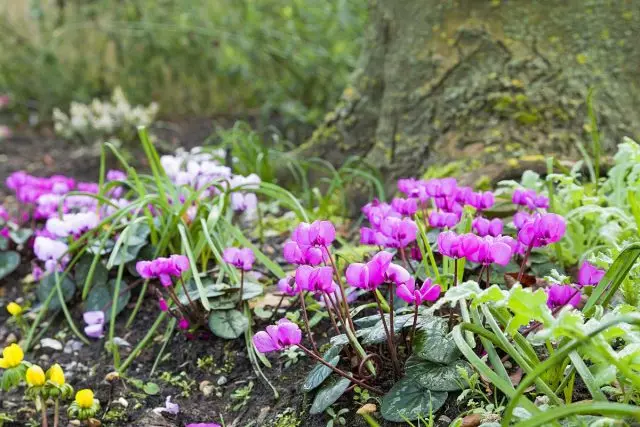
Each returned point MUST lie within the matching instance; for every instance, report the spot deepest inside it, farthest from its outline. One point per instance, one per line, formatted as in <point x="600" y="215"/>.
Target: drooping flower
<point x="589" y="274"/>
<point x="95" y="323"/>
<point x="529" y="198"/>
<point x="162" y="303"/>
<point x="315" y="279"/>
<point x="449" y="244"/>
<point x="278" y="336"/>
<point x="399" y="232"/>
<point x="241" y="258"/>
<point x="370" y="275"/>
<point x="406" y="207"/>
<point x="163" y="268"/>
<point x="244" y="202"/>
<point x="288" y="286"/>
<point x="183" y="324"/>
<point x="55" y="374"/>
<point x="72" y="224"/>
<point x="14" y="309"/>
<point x="443" y="187"/>
<point x="485" y="227"/>
<point x="35" y="376"/>
<point x="521" y="218"/>
<point x="560" y="295"/>
<point x="50" y="251"/>
<point x="481" y="200"/>
<point x="443" y="219"/>
<point x="490" y="250"/>
<point x="12" y="356"/>
<point x="294" y="253"/>
<point x="318" y="233"/>
<point x="543" y="230"/>
<point x="427" y="292"/>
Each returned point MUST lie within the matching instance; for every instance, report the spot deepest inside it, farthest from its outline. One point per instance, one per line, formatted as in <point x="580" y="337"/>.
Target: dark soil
<point x="88" y="365"/>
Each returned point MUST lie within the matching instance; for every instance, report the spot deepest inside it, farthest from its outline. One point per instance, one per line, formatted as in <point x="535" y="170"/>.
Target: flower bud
<point x="14" y="309"/>
<point x="84" y="398"/>
<point x="11" y="356"/>
<point x="35" y="376"/>
<point x="55" y="374"/>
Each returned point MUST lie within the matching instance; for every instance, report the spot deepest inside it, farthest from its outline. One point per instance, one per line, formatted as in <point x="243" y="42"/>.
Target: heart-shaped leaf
<point x="9" y="261"/>
<point x="376" y="334"/>
<point x="434" y="376"/>
<point x="100" y="297"/>
<point x="320" y="372"/>
<point x="20" y="236"/>
<point x="228" y="324"/>
<point x="100" y="273"/>
<point x="48" y="283"/>
<point x="251" y="290"/>
<point x="407" y="400"/>
<point x="328" y="394"/>
<point x="433" y="343"/>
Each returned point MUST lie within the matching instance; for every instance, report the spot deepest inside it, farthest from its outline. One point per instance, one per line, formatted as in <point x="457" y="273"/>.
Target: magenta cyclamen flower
<point x="449" y="244"/>
<point x="294" y="253"/>
<point x="95" y="323"/>
<point x="399" y="232"/>
<point x="489" y="250"/>
<point x="529" y="198"/>
<point x="427" y="292"/>
<point x="521" y="218"/>
<point x="560" y="295"/>
<point x="443" y="219"/>
<point x="406" y="207"/>
<point x="441" y="187"/>
<point x="318" y="233"/>
<point x="278" y="336"/>
<point x="589" y="274"/>
<point x="163" y="268"/>
<point x="481" y="201"/>
<point x="315" y="279"/>
<point x="288" y="286"/>
<point x="542" y="230"/>
<point x="485" y="227"/>
<point x="239" y="258"/>
<point x="370" y="275"/>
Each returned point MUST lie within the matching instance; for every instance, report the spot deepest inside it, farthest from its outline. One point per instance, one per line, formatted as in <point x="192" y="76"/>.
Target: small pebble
<point x="51" y="343"/>
<point x="72" y="346"/>
<point x="122" y="402"/>
<point x="206" y="388"/>
<point x="11" y="339"/>
<point x="120" y="342"/>
<point x="222" y="380"/>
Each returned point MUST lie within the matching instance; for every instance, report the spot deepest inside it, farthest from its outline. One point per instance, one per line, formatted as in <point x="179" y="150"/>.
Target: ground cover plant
<point x="514" y="306"/>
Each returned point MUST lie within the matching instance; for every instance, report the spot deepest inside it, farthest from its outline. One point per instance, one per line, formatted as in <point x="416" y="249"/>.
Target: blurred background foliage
<point x="198" y="57"/>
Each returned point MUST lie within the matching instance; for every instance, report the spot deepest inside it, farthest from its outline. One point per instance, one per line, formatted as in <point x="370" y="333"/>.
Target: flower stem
<point x="524" y="262"/>
<point x="339" y="371"/>
<point x="306" y="322"/>
<point x="392" y="350"/>
<point x="56" y="415"/>
<point x="43" y="408"/>
<point x="327" y="303"/>
<point x="413" y="329"/>
<point x="241" y="284"/>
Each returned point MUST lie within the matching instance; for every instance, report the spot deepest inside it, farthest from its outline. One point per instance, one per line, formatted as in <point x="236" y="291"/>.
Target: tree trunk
<point x="497" y="82"/>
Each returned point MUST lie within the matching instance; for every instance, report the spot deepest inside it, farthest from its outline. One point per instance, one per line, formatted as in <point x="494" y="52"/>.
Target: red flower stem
<point x="336" y="306"/>
<point x="392" y="349"/>
<point x="391" y="312"/>
<point x="330" y="310"/>
<point x="241" y="284"/>
<point x="306" y="322"/>
<point x="481" y="273"/>
<point x="339" y="371"/>
<point x="524" y="262"/>
<point x="186" y="292"/>
<point x="277" y="307"/>
<point x="175" y="299"/>
<point x="342" y="292"/>
<point x="413" y="329"/>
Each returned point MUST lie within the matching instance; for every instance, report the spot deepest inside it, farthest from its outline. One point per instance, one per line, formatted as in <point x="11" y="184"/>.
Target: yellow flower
<point x="35" y="376"/>
<point x="14" y="309"/>
<point x="55" y="374"/>
<point x="11" y="356"/>
<point x="84" y="398"/>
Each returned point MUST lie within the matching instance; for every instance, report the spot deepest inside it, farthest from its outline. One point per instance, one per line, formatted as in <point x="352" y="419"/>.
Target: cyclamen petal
<point x="93" y="317"/>
<point x="94" y="331"/>
<point x="589" y="274"/>
<point x="278" y="336"/>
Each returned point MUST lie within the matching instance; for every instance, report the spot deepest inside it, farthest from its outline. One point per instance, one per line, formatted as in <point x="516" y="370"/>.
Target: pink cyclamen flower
<point x="406" y="207"/>
<point x="399" y="232"/>
<point x="95" y="323"/>
<point x="169" y="407"/>
<point x="277" y="337"/>
<point x="116" y="175"/>
<point x="318" y="233"/>
<point x="589" y="274"/>
<point x="486" y="227"/>
<point x="489" y="250"/>
<point x="415" y="254"/>
<point x="163" y="268"/>
<point x="52" y="252"/>
<point x="367" y="236"/>
<point x="427" y="292"/>
<point x="370" y="275"/>
<point x="449" y="244"/>
<point x="288" y="286"/>
<point x="560" y="295"/>
<point x="244" y="202"/>
<point x="239" y="258"/>
<point x="443" y="219"/>
<point x="295" y="253"/>
<point x="183" y="324"/>
<point x="441" y="187"/>
<point x="163" y="304"/>
<point x="542" y="230"/>
<point x="481" y="201"/>
<point x="530" y="199"/>
<point x="314" y="279"/>
<point x="521" y="218"/>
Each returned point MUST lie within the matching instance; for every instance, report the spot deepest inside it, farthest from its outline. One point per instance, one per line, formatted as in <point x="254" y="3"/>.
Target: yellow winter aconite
<point x="84" y="398"/>
<point x="11" y="356"/>
<point x="55" y="374"/>
<point x="35" y="376"/>
<point x="14" y="309"/>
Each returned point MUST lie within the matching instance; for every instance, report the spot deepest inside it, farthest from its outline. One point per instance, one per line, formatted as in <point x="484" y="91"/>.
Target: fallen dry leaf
<point x="472" y="420"/>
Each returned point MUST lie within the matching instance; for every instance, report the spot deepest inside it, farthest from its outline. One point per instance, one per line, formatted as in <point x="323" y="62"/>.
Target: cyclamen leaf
<point x="329" y="394"/>
<point x="436" y="377"/>
<point x="48" y="283"/>
<point x="318" y="374"/>
<point x="228" y="324"/>
<point x="407" y="400"/>
<point x="9" y="261"/>
<point x="434" y="344"/>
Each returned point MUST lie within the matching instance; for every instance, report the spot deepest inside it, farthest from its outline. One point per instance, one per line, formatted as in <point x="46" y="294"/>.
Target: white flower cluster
<point x="102" y="120"/>
<point x="199" y="169"/>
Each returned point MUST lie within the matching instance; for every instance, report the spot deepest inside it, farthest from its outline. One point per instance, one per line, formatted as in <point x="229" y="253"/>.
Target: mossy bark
<point x="495" y="82"/>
